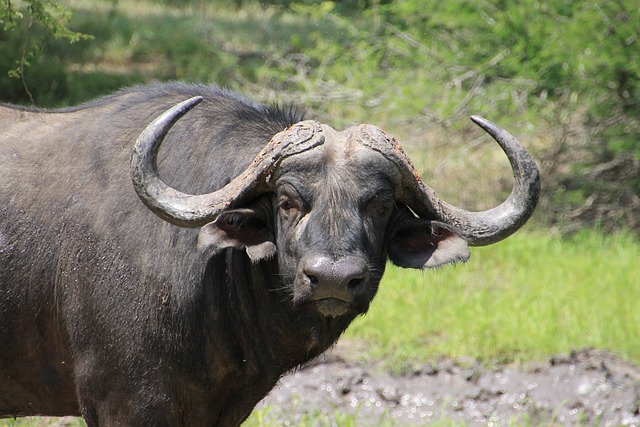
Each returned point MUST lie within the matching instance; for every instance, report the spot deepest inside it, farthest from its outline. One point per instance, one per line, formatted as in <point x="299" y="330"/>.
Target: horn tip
<point x="192" y="102"/>
<point x="488" y="126"/>
<point x="480" y="121"/>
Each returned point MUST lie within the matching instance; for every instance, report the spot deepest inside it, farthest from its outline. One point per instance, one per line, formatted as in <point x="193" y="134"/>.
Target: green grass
<point x="528" y="297"/>
<point x="271" y="416"/>
<point x="42" y="422"/>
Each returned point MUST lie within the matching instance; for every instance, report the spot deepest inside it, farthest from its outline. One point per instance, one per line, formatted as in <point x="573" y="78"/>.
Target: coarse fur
<point x="108" y="312"/>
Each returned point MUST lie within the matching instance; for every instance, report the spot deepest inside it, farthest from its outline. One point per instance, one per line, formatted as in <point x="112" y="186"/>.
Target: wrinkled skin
<point x="113" y="314"/>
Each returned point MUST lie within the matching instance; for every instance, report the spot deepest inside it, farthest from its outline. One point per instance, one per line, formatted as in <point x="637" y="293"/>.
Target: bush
<point x="35" y="21"/>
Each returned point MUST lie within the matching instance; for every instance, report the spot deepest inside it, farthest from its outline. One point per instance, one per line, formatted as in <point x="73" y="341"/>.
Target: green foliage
<point x="549" y="54"/>
<point x="34" y="21"/>
<point x="586" y="46"/>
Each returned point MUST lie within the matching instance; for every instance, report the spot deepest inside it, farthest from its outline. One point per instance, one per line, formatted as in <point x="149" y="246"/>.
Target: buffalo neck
<point x="254" y="333"/>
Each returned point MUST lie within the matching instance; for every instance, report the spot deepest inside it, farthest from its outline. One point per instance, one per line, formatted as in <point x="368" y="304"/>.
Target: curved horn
<point x="478" y="228"/>
<point x="187" y="210"/>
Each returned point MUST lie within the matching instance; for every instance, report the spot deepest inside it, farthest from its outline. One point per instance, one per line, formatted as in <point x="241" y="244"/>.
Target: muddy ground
<point x="587" y="387"/>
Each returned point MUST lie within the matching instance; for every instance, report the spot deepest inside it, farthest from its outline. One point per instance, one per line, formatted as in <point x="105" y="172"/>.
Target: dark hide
<point x="108" y="312"/>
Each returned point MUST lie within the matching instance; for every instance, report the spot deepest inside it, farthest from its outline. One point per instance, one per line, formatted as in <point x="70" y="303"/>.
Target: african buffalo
<point x="243" y="249"/>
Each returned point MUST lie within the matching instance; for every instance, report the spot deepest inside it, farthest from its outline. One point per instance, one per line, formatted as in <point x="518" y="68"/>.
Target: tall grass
<point x="532" y="295"/>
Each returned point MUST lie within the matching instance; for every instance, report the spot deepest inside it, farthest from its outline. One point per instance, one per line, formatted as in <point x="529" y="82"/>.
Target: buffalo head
<point x="333" y="206"/>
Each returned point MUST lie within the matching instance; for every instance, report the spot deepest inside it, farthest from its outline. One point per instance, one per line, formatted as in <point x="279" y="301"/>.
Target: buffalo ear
<point x="421" y="243"/>
<point x="238" y="229"/>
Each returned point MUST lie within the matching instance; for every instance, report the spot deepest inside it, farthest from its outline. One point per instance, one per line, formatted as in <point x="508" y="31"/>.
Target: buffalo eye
<point x="380" y="207"/>
<point x="288" y="207"/>
<point x="286" y="204"/>
<point x="380" y="211"/>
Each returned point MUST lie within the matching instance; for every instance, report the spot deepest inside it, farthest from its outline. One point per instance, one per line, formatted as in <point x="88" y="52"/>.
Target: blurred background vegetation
<point x="563" y="76"/>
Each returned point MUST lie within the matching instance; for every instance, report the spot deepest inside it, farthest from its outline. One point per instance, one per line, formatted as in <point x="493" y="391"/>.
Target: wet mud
<point x="587" y="387"/>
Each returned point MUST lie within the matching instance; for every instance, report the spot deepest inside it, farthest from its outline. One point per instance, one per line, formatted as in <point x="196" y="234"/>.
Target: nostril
<point x="354" y="284"/>
<point x="328" y="277"/>
<point x="313" y="280"/>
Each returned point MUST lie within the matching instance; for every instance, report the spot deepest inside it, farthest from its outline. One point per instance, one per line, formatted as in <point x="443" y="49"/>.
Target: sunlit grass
<point x="43" y="422"/>
<point x="530" y="296"/>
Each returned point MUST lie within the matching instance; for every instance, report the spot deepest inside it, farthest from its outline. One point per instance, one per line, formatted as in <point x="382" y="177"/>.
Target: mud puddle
<point x="587" y="387"/>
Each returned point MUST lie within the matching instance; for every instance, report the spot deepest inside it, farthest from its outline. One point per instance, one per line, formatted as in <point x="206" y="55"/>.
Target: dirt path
<point x="588" y="387"/>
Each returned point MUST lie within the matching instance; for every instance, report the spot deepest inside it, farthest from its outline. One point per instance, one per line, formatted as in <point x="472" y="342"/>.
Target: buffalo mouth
<point x="333" y="307"/>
